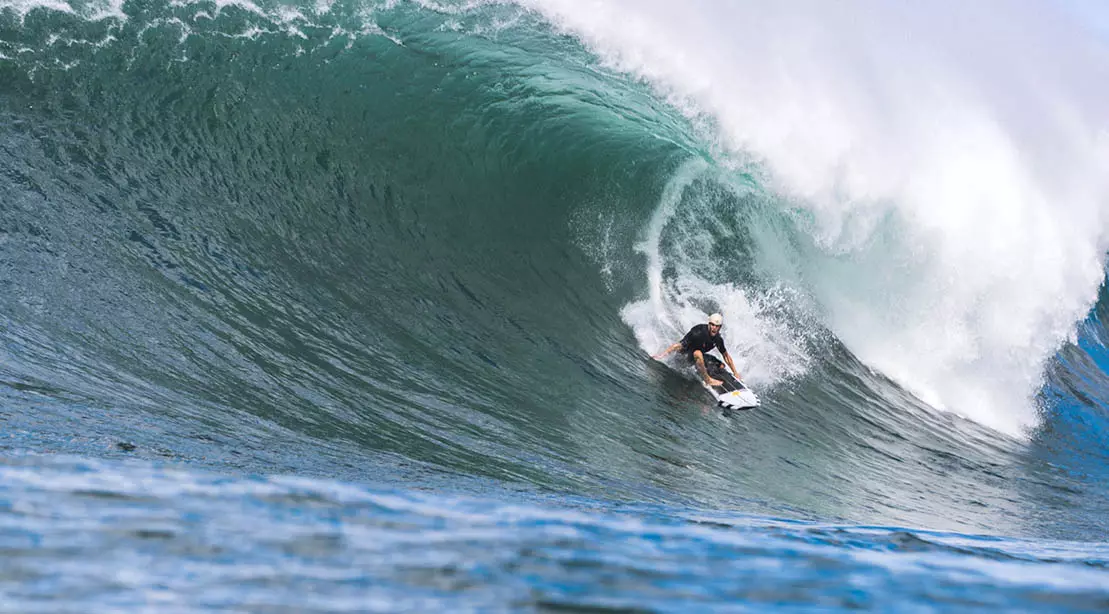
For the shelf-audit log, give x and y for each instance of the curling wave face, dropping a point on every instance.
(337, 236)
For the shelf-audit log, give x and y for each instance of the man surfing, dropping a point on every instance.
(700, 339)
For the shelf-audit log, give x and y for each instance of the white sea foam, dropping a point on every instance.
(92, 11)
(945, 160)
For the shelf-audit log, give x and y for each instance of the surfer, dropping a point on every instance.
(700, 339)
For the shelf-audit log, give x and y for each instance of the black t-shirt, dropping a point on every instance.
(698, 338)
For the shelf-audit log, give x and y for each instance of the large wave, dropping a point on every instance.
(448, 232)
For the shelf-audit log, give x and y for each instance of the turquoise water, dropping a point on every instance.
(348, 307)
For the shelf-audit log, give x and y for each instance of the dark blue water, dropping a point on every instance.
(349, 307)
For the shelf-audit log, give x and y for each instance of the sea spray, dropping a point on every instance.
(945, 168)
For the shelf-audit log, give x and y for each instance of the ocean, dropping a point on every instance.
(349, 306)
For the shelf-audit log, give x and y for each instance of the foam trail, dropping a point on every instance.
(946, 163)
(650, 246)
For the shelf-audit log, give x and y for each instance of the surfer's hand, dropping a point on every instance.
(713, 382)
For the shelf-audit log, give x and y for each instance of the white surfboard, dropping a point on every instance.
(744, 398)
(732, 393)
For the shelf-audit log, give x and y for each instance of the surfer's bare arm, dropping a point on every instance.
(728, 359)
(663, 353)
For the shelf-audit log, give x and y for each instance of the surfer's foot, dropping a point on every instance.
(714, 382)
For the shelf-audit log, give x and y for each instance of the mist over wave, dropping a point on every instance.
(943, 167)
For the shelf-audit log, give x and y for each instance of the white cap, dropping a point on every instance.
(716, 319)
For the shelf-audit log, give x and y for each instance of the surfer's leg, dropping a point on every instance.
(699, 357)
(699, 360)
